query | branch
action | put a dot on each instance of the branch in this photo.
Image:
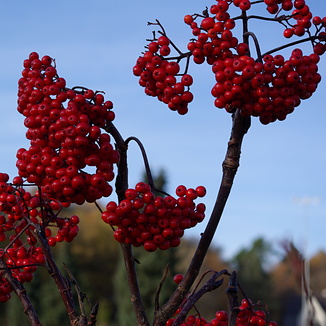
(92, 316)
(21, 294)
(146, 164)
(232, 297)
(62, 283)
(310, 38)
(81, 296)
(230, 167)
(121, 187)
(257, 46)
(135, 296)
(158, 292)
(210, 286)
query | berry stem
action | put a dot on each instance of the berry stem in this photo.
(259, 57)
(162, 32)
(146, 163)
(129, 260)
(307, 39)
(133, 285)
(158, 292)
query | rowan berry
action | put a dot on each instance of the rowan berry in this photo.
(178, 278)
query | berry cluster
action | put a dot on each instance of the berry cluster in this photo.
(248, 316)
(300, 21)
(158, 76)
(64, 129)
(143, 219)
(269, 87)
(214, 37)
(21, 212)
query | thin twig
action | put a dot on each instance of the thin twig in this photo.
(146, 164)
(210, 285)
(93, 314)
(307, 39)
(80, 294)
(158, 292)
(257, 46)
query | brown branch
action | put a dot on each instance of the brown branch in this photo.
(21, 293)
(158, 292)
(210, 286)
(146, 163)
(81, 296)
(129, 260)
(232, 298)
(62, 283)
(230, 167)
(93, 314)
(307, 39)
(135, 295)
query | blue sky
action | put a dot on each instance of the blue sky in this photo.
(96, 43)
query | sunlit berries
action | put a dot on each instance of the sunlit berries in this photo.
(263, 87)
(159, 76)
(154, 222)
(64, 127)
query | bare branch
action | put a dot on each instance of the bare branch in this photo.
(21, 293)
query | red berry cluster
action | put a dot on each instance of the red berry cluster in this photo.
(214, 37)
(301, 21)
(158, 76)
(20, 213)
(143, 219)
(270, 87)
(64, 129)
(248, 316)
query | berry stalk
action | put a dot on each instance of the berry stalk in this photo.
(121, 187)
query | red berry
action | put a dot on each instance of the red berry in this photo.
(201, 191)
(245, 4)
(207, 23)
(178, 278)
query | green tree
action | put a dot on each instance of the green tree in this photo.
(253, 273)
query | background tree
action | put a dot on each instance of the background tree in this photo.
(253, 269)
